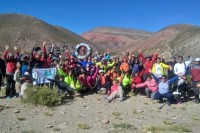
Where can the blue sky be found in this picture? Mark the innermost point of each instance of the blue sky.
(80, 16)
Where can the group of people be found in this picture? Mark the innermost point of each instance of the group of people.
(113, 77)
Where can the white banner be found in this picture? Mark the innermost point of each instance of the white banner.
(40, 74)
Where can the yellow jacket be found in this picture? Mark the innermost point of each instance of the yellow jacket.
(162, 67)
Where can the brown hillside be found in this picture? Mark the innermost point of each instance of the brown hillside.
(172, 40)
(26, 31)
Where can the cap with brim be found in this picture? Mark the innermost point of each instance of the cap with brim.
(197, 59)
(26, 74)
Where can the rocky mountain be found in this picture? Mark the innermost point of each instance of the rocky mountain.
(116, 39)
(26, 31)
(172, 41)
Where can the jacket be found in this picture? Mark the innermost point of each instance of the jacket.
(10, 63)
(161, 67)
(152, 85)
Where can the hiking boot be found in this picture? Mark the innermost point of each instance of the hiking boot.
(168, 103)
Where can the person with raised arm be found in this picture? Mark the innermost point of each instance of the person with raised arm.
(11, 61)
(163, 88)
(147, 62)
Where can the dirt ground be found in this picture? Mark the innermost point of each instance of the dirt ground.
(91, 114)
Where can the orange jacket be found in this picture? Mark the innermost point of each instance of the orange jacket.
(124, 66)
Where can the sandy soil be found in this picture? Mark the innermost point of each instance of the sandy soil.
(91, 114)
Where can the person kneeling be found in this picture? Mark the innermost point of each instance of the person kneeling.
(116, 91)
(163, 88)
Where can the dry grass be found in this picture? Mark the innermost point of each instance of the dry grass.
(48, 113)
(116, 113)
(176, 128)
(122, 126)
(83, 126)
(20, 118)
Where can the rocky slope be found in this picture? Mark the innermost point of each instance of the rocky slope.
(26, 31)
(172, 40)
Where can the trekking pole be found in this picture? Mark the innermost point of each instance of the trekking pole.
(162, 105)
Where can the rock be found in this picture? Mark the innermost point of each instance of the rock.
(105, 121)
(49, 126)
(140, 111)
(65, 123)
(98, 112)
(17, 111)
(149, 132)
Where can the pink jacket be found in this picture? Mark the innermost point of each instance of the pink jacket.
(152, 85)
(114, 88)
(92, 78)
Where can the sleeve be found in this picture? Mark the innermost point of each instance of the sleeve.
(175, 69)
(142, 57)
(154, 57)
(44, 50)
(172, 80)
(5, 55)
(187, 63)
(67, 55)
(111, 64)
(153, 69)
(96, 72)
(165, 66)
(61, 72)
(157, 79)
(141, 85)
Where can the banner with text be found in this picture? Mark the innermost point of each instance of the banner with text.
(40, 75)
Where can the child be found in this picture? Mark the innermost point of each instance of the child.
(116, 90)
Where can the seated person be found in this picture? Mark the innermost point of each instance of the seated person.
(163, 88)
(116, 91)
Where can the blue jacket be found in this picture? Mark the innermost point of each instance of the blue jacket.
(163, 87)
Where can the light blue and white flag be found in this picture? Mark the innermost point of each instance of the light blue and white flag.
(40, 75)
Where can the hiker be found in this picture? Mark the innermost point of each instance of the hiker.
(137, 66)
(150, 85)
(103, 81)
(195, 73)
(158, 68)
(181, 67)
(25, 82)
(136, 79)
(116, 91)
(112, 74)
(163, 88)
(91, 77)
(147, 62)
(124, 65)
(171, 63)
(61, 85)
(11, 61)
(103, 65)
(17, 77)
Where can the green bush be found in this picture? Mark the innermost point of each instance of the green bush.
(42, 96)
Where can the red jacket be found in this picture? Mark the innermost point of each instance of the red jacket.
(10, 63)
(147, 64)
(195, 72)
(136, 80)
